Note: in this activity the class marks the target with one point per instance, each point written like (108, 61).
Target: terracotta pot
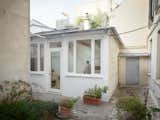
(64, 111)
(91, 101)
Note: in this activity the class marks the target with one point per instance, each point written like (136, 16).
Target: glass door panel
(55, 69)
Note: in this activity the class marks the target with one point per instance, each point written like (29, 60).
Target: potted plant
(65, 107)
(92, 96)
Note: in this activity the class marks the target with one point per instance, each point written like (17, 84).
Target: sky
(48, 11)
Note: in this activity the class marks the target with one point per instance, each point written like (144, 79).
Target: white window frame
(39, 71)
(93, 74)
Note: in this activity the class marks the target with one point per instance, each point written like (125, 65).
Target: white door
(55, 76)
(132, 70)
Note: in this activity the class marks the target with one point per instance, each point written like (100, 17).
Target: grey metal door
(132, 70)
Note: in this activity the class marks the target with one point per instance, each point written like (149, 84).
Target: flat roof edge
(134, 54)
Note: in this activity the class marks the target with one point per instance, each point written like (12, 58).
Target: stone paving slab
(89, 112)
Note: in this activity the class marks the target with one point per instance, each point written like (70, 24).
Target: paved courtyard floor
(105, 111)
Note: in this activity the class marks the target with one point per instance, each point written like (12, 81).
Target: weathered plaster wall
(14, 40)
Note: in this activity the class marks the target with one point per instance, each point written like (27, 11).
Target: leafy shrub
(24, 110)
(95, 92)
(16, 111)
(131, 108)
(42, 108)
(11, 92)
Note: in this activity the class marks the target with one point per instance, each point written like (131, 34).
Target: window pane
(55, 69)
(97, 57)
(55, 44)
(83, 56)
(41, 57)
(70, 57)
(34, 57)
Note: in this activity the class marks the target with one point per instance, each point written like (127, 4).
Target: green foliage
(79, 21)
(95, 92)
(131, 108)
(24, 110)
(40, 107)
(150, 111)
(69, 103)
(96, 21)
(16, 111)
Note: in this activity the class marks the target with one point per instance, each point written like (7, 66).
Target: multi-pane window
(84, 57)
(37, 57)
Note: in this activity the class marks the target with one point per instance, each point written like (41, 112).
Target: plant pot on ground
(92, 96)
(65, 108)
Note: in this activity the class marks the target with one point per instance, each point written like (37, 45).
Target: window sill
(37, 73)
(84, 75)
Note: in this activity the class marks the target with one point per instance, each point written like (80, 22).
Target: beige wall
(122, 71)
(14, 40)
(130, 15)
(143, 71)
(113, 65)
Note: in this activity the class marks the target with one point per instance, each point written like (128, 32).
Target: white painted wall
(74, 85)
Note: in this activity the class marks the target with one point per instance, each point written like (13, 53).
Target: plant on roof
(100, 20)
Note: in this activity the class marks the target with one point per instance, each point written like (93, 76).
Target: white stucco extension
(74, 84)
